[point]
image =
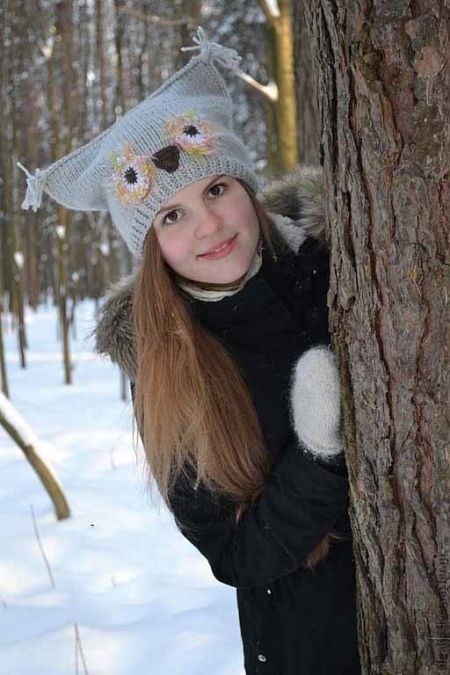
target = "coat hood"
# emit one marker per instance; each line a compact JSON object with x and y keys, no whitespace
{"x":295,"y":203}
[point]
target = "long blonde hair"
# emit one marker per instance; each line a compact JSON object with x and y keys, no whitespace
{"x":192,"y":406}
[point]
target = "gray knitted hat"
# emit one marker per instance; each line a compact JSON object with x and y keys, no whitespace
{"x":179,"y":134}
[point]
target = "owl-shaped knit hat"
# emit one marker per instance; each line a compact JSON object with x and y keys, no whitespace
{"x":181,"y":133}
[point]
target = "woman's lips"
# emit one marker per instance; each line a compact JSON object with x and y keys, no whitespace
{"x":223,"y":251}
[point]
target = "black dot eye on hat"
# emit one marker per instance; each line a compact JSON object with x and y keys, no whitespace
{"x":131,"y":176}
{"x":191,"y":130}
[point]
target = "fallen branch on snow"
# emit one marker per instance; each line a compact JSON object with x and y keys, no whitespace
{"x":22,"y":434}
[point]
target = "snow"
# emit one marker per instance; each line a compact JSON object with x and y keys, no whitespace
{"x":131,"y":596}
{"x":15,"y":419}
{"x":18,"y":257}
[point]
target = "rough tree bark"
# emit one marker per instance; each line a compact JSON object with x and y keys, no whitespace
{"x":305,"y":84}
{"x":383,"y":81}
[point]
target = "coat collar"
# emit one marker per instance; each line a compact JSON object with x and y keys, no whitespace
{"x":295,"y":203}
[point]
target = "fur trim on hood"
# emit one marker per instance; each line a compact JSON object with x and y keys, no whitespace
{"x":298,"y":195}
{"x":295,"y":202}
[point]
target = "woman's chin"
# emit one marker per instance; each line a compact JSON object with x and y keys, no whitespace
{"x":225,"y":278}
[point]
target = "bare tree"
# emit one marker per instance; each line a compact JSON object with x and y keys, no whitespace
{"x":383,"y":82}
{"x":308,"y":120}
{"x":12,"y":255}
{"x":3,"y":371}
{"x":279,"y":20}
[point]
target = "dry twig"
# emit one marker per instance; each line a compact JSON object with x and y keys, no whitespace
{"x":36,"y":532}
{"x":79,"y":651}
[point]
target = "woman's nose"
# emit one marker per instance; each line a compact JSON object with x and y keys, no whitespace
{"x":208,"y":222}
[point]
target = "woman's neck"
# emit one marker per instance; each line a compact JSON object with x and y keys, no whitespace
{"x":214,"y":287}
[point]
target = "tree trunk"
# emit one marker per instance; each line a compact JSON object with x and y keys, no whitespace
{"x":8,"y":140}
{"x":20,"y":286}
{"x":191,"y":11}
{"x":308,"y":121}
{"x":61,"y":146}
{"x":124,"y":386}
{"x":3,"y":371}
{"x":286,"y":109}
{"x":62,"y":237}
{"x":383,"y":79}
{"x":280,"y":37}
{"x":274,"y":161}
{"x":16,"y":65}
{"x":118,"y":41}
{"x":31,"y":258}
{"x":101,"y":61}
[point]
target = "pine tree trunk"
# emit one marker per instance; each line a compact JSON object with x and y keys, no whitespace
{"x":16,"y":62}
{"x":273,"y":157}
{"x":190,"y":11}
{"x":6,"y":157}
{"x":286,"y":109}
{"x":62,"y":144}
{"x":308,"y":121}
{"x":21,"y":335}
{"x":281,"y":52}
{"x":118,"y":42}
{"x":62,"y":293}
{"x":3,"y":371}
{"x":383,"y":79}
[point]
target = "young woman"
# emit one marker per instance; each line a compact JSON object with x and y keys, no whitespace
{"x":223,"y":332}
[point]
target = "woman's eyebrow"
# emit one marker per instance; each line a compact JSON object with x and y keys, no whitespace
{"x":172,"y":207}
{"x":214,"y":180}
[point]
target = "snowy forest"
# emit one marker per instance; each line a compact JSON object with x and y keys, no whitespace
{"x":69,"y":70}
{"x":94,"y":577}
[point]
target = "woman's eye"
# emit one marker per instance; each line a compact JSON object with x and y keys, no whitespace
{"x":172,"y":217}
{"x":217,"y":189}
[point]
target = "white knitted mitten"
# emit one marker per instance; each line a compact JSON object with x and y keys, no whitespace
{"x":316,"y":403}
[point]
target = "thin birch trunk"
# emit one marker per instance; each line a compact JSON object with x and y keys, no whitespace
{"x":279,"y":19}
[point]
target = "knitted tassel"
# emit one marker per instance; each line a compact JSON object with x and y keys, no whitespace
{"x":35,"y":187}
{"x":212,"y":51}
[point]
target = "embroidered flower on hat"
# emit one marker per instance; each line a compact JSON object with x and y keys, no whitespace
{"x":133,"y":175}
{"x":190,"y":133}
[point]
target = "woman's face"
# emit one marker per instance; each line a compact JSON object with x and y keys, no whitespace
{"x":209,"y":231}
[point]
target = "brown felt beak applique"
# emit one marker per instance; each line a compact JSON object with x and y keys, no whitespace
{"x":167,"y":158}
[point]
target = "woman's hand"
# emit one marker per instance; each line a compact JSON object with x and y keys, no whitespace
{"x":316,"y":403}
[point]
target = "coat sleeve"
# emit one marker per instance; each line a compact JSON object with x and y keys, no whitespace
{"x":300,"y":504}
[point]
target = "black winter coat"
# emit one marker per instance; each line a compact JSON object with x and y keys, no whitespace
{"x":294,"y":621}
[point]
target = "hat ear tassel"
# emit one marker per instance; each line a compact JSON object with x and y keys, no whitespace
{"x":35,"y":187}
{"x":212,"y":51}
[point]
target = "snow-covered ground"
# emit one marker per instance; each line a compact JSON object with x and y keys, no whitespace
{"x":131,"y":596}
